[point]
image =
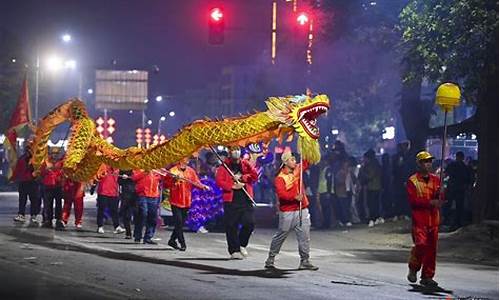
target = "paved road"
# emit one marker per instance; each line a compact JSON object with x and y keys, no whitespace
{"x":38,"y":263}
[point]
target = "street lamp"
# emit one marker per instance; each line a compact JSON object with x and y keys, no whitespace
{"x":66,"y":38}
{"x":159,"y":98}
{"x":54,"y":64}
{"x":162,"y":119}
{"x":172,"y":113}
{"x":70,"y":64}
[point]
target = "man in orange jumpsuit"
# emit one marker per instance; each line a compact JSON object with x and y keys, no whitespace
{"x":180,"y":181}
{"x":423,"y":190}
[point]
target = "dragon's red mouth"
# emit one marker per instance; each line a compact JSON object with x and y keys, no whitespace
{"x":307,"y":118}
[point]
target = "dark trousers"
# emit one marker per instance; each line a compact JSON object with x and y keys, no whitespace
{"x":343,"y":208}
{"x":400,"y":198}
{"x":146,"y":216}
{"x":112,"y":204}
{"x":459,"y":198}
{"x":387,"y":203}
{"x":180,"y":215}
{"x":373,"y":199}
{"x":360,"y":205}
{"x":233,"y":218}
{"x":128,"y":208}
{"x":326,"y":208}
{"x":29,"y":189}
{"x":51,"y":194}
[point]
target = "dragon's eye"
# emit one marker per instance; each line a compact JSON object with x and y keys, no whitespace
{"x":298,"y":98}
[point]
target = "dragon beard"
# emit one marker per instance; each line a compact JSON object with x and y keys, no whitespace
{"x":309,"y":149}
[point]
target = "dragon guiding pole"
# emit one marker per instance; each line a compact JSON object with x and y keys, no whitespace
{"x":300,"y":193}
{"x":164,"y":172}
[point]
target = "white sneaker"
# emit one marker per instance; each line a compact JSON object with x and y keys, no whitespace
{"x":395,"y":219}
{"x":381,"y":221}
{"x":341,"y":224}
{"x":79,"y":226}
{"x":19,"y":218}
{"x":348,"y":224}
{"x":202,"y":230}
{"x":118,"y":230}
{"x":100,"y":230}
{"x":244,"y":251}
{"x":371,"y":224}
{"x":237,"y":255}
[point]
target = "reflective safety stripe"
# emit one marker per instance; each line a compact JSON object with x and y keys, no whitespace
{"x":418,"y":185}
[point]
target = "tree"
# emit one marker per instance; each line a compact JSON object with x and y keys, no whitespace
{"x":458,"y":41}
{"x":356,"y":64}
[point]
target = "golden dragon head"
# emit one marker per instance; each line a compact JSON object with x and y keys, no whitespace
{"x":300,"y":113}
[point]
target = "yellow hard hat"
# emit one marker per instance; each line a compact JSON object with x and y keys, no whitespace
{"x":424,"y":155}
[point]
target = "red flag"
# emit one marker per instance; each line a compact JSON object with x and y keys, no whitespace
{"x":20,"y":118}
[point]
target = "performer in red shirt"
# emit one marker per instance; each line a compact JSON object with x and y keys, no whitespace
{"x":238,"y":206}
{"x":51,"y":173}
{"x":27,"y":187}
{"x":148,"y":192}
{"x":73,"y":193}
{"x":180,"y":179}
{"x":291,"y":194}
{"x":107,"y":196}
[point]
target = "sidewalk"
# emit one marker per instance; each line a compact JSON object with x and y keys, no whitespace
{"x":469,"y":243}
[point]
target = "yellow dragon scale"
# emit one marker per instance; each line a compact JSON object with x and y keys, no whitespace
{"x":87,"y":151}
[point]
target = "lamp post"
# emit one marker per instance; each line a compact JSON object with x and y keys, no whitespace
{"x":37,"y":75}
{"x":146,"y":101}
{"x":447,"y":97}
{"x":162,"y":119}
{"x":66,"y":39}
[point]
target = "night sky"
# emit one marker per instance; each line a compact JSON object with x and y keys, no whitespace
{"x":173,"y":35}
{"x":140,"y":34}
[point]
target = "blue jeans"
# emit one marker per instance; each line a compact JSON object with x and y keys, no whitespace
{"x":148,"y":211}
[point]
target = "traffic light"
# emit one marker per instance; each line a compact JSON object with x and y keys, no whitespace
{"x":302,"y":19}
{"x":216,"y":26}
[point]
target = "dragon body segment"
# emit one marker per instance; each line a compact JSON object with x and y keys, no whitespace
{"x":87,"y":151}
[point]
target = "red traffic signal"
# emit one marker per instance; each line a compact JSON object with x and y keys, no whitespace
{"x":302,"y":19}
{"x":216,"y":26}
{"x":216,"y":14}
